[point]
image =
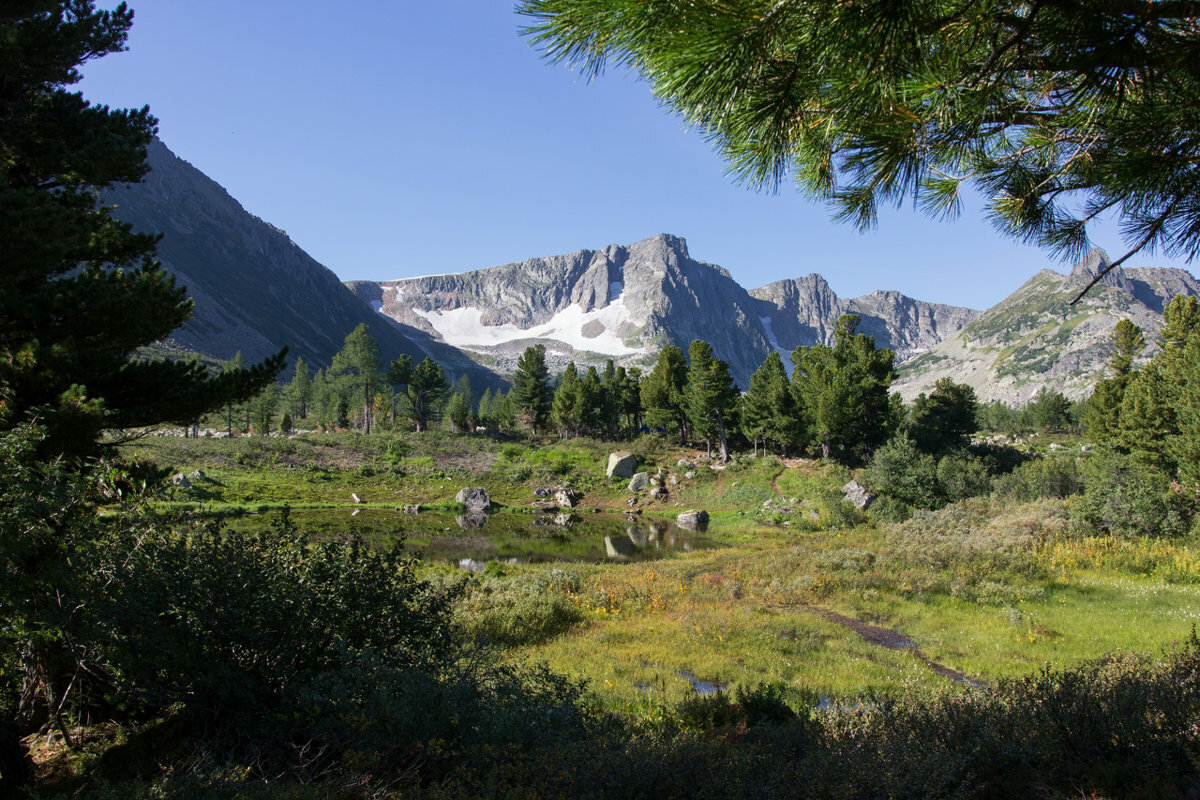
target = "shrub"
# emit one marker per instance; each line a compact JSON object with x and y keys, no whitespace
{"x":901,"y":471}
{"x":1056,"y":476}
{"x":1125,"y":496}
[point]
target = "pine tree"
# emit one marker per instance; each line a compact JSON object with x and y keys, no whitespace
{"x":1102,"y":415}
{"x":458,"y":411}
{"x":944,"y":420}
{"x":710,"y":395}
{"x":1057,"y":112}
{"x":531,"y":395}
{"x":82,"y":292}
{"x":662,"y":392}
{"x":358,"y":363}
{"x":300,"y":390}
{"x":769,"y":412}
{"x":567,"y":408}
{"x":843,"y":390}
{"x":426,"y":386}
{"x":591,"y":397}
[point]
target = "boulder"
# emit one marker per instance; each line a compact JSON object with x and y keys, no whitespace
{"x":567,"y":498}
{"x":693,"y":520}
{"x":621,"y":465}
{"x":412,"y":509}
{"x":658,"y":493}
{"x":857,"y":495}
{"x":180,"y":480}
{"x":639,"y":481}
{"x":474,"y":500}
{"x":197,"y":475}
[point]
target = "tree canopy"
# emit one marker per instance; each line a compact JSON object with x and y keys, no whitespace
{"x":1058,"y":112}
{"x":82,"y":291}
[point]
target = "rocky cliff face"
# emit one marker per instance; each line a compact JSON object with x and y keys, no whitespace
{"x":622,"y":302}
{"x":1036,"y":338}
{"x":254,"y":289}
{"x":626,"y":302}
{"x":805,"y":311}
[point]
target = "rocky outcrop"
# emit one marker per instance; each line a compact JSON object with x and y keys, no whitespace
{"x":1035,"y":338}
{"x":692,"y":520}
{"x":474,"y":499}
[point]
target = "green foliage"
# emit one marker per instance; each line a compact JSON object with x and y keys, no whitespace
{"x":710,"y":396}
{"x":568,"y":408}
{"x":769,"y":410}
{"x":903,"y":472}
{"x":531,"y":395}
{"x":844,"y":393}
{"x":1126,"y":496}
{"x":82,"y":291}
{"x":1054,"y":476}
{"x":944,"y":419}
{"x":358,"y":369}
{"x":522,"y":611}
{"x":662,"y":392}
{"x":426,"y":386}
{"x":884,"y":101}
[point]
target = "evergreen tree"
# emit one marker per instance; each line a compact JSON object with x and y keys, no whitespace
{"x":262,"y":408}
{"x":300,"y":390}
{"x":591,"y":397}
{"x":358,"y":363}
{"x":458,"y":410}
{"x":1102,"y":416}
{"x":426,"y":386}
{"x":1049,"y":410}
{"x":232,"y":409}
{"x":710,"y":396}
{"x":662,"y":392}
{"x":531,"y":395}
{"x":843,"y":390}
{"x":610,"y":407}
{"x":629,"y":400}
{"x":567,"y":408}
{"x":82,"y":292}
{"x":769,"y":412}
{"x":944,"y":419}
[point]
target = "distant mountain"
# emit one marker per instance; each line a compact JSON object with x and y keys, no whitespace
{"x":1035,"y":338}
{"x":255,"y":290}
{"x":626,"y":302}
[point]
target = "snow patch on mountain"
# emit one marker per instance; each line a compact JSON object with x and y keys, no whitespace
{"x":784,"y":353}
{"x":594,"y":331}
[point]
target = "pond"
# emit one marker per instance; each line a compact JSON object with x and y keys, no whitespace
{"x":512,"y":536}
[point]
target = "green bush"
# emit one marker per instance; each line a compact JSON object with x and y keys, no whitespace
{"x":901,"y":471}
{"x":1125,"y":496}
{"x":1054,"y":476}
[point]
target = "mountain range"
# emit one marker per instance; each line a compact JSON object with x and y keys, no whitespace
{"x":255,"y":290}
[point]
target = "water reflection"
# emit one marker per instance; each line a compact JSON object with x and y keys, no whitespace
{"x":501,"y":536}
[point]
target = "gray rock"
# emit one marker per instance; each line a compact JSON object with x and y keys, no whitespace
{"x":565,"y":520}
{"x":412,"y":509}
{"x":197,"y":475}
{"x":658,"y":493}
{"x":857,"y":495}
{"x":689,"y":474}
{"x":567,"y":498}
{"x":474,"y":499}
{"x":180,"y":480}
{"x":639,"y":481}
{"x":621,"y":465}
{"x":692,"y":520}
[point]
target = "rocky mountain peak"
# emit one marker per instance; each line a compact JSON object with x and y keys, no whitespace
{"x":1091,"y":265}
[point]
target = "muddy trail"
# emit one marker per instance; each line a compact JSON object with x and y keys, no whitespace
{"x":892,"y":640}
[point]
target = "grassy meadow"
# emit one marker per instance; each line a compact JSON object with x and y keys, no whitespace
{"x":800,"y":590}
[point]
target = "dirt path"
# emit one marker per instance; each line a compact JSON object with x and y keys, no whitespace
{"x":891,"y":639}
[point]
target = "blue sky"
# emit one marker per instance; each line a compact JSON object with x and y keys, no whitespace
{"x":391,"y":138}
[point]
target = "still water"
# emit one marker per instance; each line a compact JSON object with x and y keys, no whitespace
{"x":502,"y":536}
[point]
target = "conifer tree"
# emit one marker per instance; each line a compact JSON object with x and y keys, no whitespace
{"x":567,"y":408}
{"x":1102,"y":416}
{"x":662,"y":392}
{"x":711,"y":396}
{"x":843,"y":390}
{"x":82,"y":292}
{"x":1057,"y":112}
{"x":944,"y":419}
{"x":358,"y":363}
{"x":769,"y":412}
{"x":300,"y":390}
{"x":426,"y":386}
{"x":531,"y":395}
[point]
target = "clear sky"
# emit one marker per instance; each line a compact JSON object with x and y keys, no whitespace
{"x":391,"y":138}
